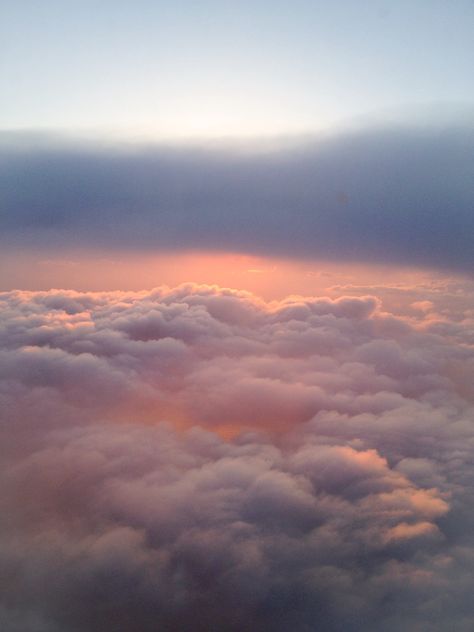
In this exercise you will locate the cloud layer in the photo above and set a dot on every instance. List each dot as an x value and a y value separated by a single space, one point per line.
195 459
401 195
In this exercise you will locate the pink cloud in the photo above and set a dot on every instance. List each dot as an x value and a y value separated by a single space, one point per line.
195 457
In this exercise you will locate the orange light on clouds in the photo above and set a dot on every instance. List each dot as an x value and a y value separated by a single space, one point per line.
268 277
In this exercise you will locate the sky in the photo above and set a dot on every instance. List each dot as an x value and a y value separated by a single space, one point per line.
236 316
215 68
302 130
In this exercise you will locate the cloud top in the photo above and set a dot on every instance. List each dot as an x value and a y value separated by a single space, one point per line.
195 458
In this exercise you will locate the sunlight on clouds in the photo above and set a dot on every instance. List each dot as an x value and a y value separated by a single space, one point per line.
271 278
167 445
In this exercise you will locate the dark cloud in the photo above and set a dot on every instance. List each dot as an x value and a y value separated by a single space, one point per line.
401 195
195 459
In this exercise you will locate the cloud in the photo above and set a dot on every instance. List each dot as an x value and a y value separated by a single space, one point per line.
195 458
401 195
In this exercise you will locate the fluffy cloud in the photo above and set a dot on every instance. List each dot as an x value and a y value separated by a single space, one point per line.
197 459
400 195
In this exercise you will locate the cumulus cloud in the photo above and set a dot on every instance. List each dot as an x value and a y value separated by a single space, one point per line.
196 459
395 195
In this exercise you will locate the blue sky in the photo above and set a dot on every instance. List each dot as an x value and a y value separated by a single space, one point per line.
178 69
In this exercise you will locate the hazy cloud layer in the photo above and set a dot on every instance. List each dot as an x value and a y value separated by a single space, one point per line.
403 195
195 459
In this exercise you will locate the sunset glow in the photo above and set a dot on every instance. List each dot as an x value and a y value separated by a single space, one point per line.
236 316
270 278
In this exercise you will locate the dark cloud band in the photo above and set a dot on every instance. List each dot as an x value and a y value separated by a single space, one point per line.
393 195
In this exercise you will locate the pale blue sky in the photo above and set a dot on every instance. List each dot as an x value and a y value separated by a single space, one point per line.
229 68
